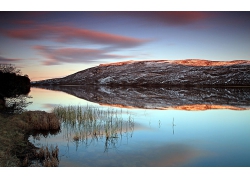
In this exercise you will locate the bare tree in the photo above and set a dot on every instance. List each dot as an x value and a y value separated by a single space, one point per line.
9 68
16 104
14 89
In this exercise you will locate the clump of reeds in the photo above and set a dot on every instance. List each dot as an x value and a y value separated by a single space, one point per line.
73 113
41 120
86 123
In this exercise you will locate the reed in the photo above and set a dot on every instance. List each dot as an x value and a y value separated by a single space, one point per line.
86 123
40 120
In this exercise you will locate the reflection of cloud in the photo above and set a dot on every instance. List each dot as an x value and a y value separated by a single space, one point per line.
49 106
67 33
170 155
173 155
74 55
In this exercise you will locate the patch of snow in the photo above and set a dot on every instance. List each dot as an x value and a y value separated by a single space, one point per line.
105 80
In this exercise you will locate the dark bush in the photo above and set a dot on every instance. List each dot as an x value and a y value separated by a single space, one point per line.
12 85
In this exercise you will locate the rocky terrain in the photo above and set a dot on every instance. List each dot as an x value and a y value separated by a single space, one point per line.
186 98
161 73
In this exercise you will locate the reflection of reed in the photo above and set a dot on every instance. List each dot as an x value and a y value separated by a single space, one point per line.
48 157
44 156
173 125
90 124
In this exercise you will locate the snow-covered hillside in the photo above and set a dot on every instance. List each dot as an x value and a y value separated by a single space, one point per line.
161 73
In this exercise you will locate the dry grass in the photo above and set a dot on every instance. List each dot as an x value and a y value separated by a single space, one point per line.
15 149
14 146
41 120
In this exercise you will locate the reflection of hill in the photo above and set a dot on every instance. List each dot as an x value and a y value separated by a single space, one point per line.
162 98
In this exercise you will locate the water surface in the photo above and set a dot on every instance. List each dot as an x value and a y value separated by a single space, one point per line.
207 132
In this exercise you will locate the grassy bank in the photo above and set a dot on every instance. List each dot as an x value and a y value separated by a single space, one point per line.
81 123
15 149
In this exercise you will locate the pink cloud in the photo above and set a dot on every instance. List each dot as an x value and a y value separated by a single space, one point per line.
27 34
4 60
178 17
67 34
174 18
23 22
56 56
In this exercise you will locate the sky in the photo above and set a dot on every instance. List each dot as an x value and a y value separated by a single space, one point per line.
52 44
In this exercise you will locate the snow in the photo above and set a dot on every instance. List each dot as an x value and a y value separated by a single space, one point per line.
162 72
105 80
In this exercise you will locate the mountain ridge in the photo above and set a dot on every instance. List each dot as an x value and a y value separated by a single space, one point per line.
188 72
190 62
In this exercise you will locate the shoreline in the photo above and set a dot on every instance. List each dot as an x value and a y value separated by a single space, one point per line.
15 149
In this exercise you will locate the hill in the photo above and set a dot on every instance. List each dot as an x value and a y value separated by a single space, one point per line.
161 73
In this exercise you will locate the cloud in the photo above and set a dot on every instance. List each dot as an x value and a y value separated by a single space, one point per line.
57 56
173 17
69 34
24 22
25 34
13 17
165 17
4 60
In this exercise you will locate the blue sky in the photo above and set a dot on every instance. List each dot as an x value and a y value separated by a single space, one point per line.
54 44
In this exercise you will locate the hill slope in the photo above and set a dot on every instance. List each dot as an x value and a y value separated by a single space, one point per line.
161 73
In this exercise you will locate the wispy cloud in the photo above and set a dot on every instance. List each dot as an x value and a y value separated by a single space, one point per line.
4 60
28 30
55 56
173 17
69 34
23 22
149 17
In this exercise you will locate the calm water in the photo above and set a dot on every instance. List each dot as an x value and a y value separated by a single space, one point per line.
161 134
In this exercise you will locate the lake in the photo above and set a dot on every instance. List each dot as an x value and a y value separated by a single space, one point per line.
157 127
